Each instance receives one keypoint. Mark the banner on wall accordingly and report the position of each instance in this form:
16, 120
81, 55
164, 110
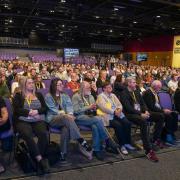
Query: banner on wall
176, 52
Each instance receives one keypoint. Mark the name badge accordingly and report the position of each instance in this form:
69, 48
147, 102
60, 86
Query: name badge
158, 105
137, 107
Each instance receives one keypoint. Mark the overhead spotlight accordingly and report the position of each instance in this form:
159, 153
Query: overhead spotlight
63, 1
158, 16
116, 9
51, 11
135, 22
97, 17
10, 20
63, 25
110, 30
6, 6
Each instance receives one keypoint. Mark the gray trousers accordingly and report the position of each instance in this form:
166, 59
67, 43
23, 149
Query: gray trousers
69, 129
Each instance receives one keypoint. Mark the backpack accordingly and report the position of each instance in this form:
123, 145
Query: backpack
53, 153
24, 158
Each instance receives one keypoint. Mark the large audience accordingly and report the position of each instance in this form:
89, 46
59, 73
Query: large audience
95, 96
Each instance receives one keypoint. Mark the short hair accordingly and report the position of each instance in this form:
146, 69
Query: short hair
106, 83
155, 83
129, 79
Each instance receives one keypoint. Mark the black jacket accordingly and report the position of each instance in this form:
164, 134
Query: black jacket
18, 105
150, 101
118, 88
128, 102
177, 99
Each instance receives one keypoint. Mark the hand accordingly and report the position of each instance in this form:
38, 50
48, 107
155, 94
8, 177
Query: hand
167, 111
147, 113
93, 106
144, 116
117, 112
33, 112
70, 117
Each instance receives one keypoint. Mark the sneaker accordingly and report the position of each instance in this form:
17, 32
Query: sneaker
99, 155
86, 153
129, 147
86, 146
152, 156
124, 150
159, 143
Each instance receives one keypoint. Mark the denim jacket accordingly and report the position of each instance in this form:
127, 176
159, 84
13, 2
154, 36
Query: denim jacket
53, 108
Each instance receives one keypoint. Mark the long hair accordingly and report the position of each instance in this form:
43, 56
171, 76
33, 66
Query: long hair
22, 85
53, 88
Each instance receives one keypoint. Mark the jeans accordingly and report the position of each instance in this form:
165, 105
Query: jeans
69, 130
99, 133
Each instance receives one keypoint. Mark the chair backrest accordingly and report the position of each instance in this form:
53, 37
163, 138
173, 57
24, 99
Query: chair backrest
43, 91
47, 83
9, 132
68, 91
165, 100
9, 108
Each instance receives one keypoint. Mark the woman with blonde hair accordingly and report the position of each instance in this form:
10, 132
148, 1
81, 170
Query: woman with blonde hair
29, 113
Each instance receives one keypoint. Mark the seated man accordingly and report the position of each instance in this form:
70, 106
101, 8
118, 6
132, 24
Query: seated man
73, 84
85, 111
171, 120
111, 110
136, 111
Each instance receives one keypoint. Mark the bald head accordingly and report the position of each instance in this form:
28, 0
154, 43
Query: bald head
85, 88
156, 85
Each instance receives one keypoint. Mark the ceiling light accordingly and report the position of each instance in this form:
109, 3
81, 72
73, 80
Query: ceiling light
10, 20
97, 17
111, 30
116, 9
63, 1
139, 1
6, 6
135, 22
63, 25
158, 16
173, 28
51, 11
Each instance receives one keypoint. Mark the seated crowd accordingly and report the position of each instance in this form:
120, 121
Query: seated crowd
100, 97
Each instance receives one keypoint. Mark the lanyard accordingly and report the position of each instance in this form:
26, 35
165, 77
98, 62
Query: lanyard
134, 97
86, 103
38, 85
29, 101
109, 99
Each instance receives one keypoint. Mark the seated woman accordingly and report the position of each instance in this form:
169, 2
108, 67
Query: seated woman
60, 115
29, 113
15, 83
4, 124
38, 82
